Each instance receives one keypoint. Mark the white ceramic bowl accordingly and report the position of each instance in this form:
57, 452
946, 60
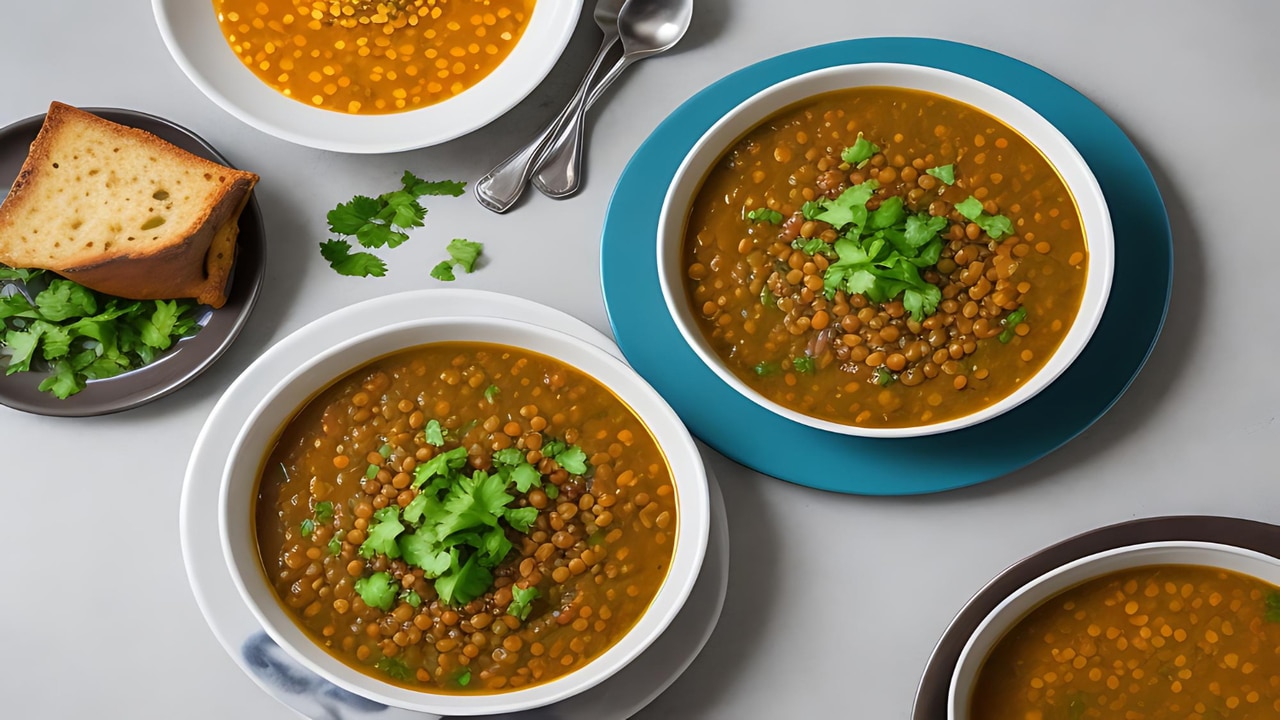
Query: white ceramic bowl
1013, 112
1030, 596
190, 30
240, 477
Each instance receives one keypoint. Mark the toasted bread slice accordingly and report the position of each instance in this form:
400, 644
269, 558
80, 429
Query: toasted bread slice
121, 211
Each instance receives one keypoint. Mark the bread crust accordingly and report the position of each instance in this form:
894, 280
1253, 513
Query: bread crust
197, 266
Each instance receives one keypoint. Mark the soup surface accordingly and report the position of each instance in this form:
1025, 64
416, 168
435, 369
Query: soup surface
371, 57
885, 258
1154, 643
466, 518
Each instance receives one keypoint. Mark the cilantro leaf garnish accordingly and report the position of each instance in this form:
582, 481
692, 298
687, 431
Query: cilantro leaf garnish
765, 368
491, 392
379, 222
1273, 607
411, 598
434, 432
1010, 323
860, 151
335, 546
945, 173
464, 678
521, 518
521, 601
394, 668
573, 459
308, 527
765, 215
378, 590
997, 226
382, 533
467, 582
803, 364
323, 511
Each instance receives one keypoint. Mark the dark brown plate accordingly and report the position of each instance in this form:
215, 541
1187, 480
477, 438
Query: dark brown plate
190, 356
931, 697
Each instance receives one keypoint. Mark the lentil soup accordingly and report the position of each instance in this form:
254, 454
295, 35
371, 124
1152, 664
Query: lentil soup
884, 258
465, 518
1153, 643
369, 56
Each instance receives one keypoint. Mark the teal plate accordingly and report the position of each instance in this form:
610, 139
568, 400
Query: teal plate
755, 437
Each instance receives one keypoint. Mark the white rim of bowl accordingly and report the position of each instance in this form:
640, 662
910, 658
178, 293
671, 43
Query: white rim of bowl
1033, 586
689, 543
1083, 186
550, 27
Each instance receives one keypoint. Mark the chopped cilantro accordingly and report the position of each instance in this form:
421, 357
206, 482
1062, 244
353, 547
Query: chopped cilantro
765, 215
463, 253
1011, 322
945, 173
393, 667
382, 533
765, 368
371, 472
996, 226
412, 598
464, 678
324, 511
378, 590
860, 151
521, 599
573, 459
491, 392
884, 377
385, 450
811, 209
335, 546
434, 433
521, 518
308, 527
552, 491
1273, 607
767, 298
465, 583
803, 364
379, 222
77, 334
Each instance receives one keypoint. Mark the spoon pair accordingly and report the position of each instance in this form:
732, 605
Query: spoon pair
645, 28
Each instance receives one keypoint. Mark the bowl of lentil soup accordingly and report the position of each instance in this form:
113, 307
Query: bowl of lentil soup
363, 76
885, 250
1171, 629
443, 523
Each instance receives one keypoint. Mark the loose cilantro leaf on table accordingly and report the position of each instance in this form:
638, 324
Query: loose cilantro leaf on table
765, 215
379, 222
78, 334
462, 253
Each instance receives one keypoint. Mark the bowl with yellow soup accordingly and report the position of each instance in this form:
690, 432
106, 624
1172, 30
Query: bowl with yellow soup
464, 516
885, 250
1175, 629
366, 77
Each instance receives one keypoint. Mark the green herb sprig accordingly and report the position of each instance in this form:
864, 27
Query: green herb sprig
379, 222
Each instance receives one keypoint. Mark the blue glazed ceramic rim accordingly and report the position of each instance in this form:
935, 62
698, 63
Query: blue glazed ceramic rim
755, 437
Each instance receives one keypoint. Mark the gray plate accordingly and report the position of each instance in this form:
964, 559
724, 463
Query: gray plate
931, 697
190, 356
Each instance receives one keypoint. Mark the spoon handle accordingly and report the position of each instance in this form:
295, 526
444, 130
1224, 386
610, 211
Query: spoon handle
559, 170
505, 183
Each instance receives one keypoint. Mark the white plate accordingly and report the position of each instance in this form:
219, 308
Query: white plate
190, 31
302, 690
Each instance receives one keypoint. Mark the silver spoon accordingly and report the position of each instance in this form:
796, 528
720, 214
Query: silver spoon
504, 184
647, 27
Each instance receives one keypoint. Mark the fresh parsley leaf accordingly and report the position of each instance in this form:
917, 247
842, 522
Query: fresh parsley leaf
491, 392
996, 226
509, 456
65, 299
803, 364
443, 271
945, 173
552, 491
861, 151
765, 215
434, 432
382, 533
420, 188
1273, 607
521, 518
439, 465
360, 264
323, 511
462, 585
378, 590
423, 550
521, 601
335, 546
811, 209
393, 667
411, 598
347, 218
525, 476
573, 459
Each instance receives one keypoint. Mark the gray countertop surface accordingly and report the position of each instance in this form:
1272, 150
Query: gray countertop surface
834, 602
